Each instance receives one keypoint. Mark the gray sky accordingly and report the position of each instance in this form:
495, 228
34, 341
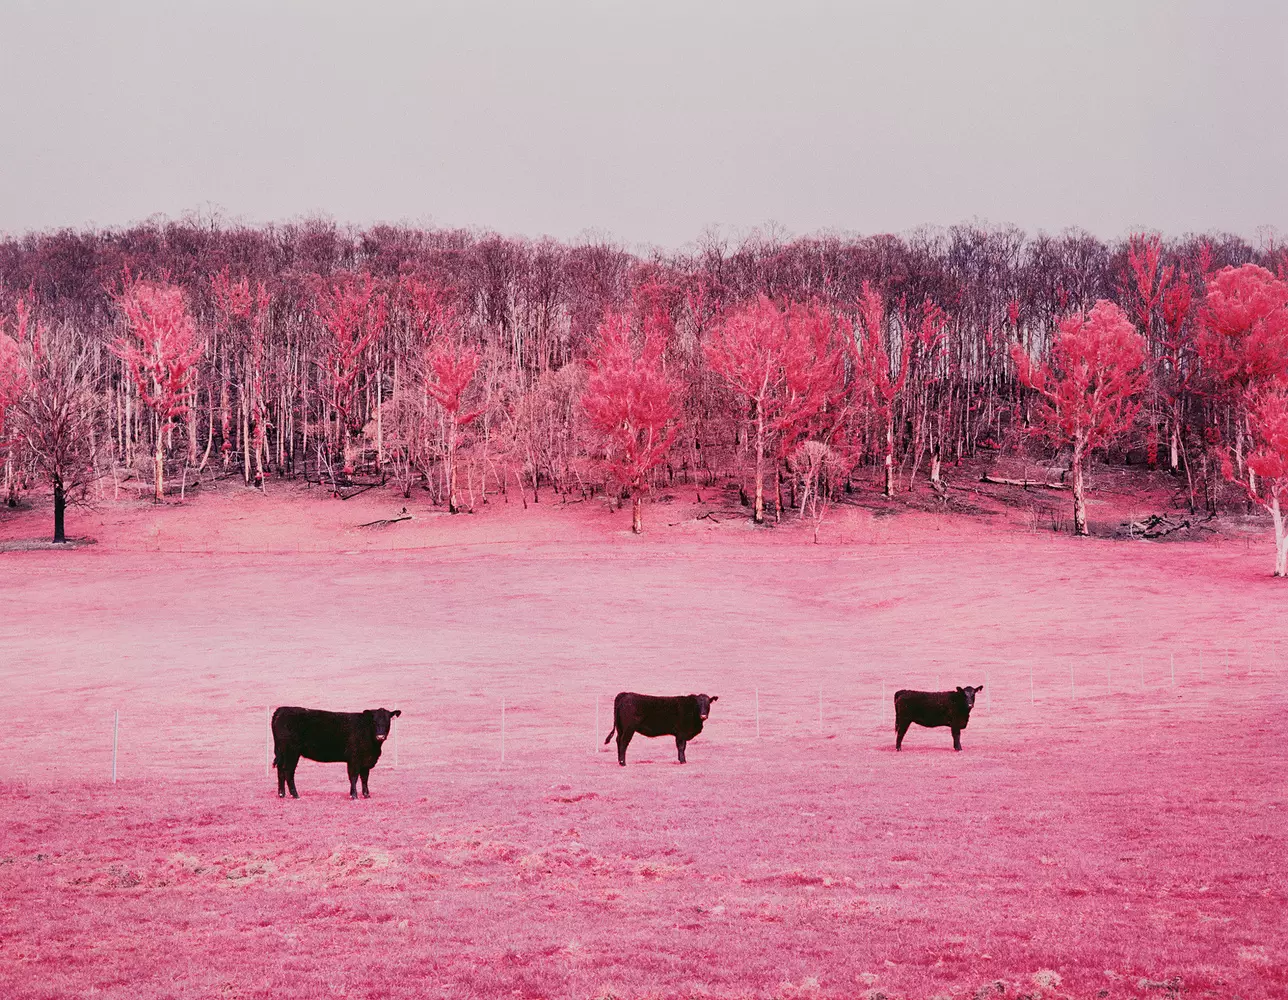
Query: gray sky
650, 120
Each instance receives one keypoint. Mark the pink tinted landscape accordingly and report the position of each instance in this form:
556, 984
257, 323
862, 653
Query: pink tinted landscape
1113, 827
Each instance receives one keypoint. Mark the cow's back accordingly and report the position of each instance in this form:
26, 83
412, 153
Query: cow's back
314, 733
932, 708
653, 715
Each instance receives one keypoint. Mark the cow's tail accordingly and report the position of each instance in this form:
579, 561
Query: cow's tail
610, 733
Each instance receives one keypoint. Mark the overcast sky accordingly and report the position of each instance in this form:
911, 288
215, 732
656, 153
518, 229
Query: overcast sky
648, 121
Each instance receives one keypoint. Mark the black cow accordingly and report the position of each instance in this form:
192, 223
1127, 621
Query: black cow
680, 716
934, 708
352, 737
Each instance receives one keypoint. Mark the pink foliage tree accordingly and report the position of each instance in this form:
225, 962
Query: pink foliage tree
353, 312
1087, 387
810, 406
14, 381
243, 309
1244, 344
1177, 351
749, 350
160, 351
632, 402
875, 372
13, 374
1268, 417
784, 362
450, 371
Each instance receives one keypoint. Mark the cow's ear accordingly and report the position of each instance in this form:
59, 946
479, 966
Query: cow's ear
715, 697
979, 689
395, 713
960, 691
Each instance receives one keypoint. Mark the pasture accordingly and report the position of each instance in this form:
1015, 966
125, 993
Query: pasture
1115, 825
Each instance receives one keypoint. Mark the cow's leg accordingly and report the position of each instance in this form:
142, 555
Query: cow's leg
679, 747
288, 763
366, 792
281, 775
353, 781
957, 738
900, 728
623, 741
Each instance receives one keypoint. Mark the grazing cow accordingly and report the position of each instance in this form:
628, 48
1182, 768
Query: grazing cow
934, 708
681, 716
352, 737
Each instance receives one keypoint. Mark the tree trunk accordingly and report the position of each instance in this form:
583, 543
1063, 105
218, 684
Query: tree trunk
60, 510
160, 461
452, 507
758, 512
637, 514
889, 455
1281, 536
245, 435
1079, 501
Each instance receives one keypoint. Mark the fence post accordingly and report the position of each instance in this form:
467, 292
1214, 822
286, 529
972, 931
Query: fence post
395, 726
820, 709
1071, 694
502, 730
594, 747
757, 713
1031, 702
1173, 656
268, 739
116, 729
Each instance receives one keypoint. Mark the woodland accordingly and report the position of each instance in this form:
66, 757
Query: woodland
469, 364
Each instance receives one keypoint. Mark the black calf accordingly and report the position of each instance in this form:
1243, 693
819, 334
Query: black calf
934, 708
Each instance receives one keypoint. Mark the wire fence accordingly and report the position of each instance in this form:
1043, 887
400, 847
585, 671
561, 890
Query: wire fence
447, 729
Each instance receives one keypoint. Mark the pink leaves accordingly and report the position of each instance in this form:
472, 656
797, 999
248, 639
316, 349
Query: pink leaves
452, 368
1089, 384
630, 399
749, 348
161, 347
13, 376
353, 313
1245, 326
15, 379
871, 351
1144, 254
785, 361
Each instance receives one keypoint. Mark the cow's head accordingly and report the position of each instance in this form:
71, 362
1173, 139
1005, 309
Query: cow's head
382, 719
969, 693
704, 705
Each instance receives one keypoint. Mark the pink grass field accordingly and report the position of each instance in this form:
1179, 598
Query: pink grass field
1110, 833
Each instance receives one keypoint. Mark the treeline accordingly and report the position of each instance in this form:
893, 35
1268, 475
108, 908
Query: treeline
457, 361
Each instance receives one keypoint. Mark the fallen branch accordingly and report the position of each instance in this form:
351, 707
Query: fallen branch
700, 517
402, 516
1026, 483
361, 489
1156, 525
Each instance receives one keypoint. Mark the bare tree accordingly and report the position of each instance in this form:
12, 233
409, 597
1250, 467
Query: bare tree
56, 418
